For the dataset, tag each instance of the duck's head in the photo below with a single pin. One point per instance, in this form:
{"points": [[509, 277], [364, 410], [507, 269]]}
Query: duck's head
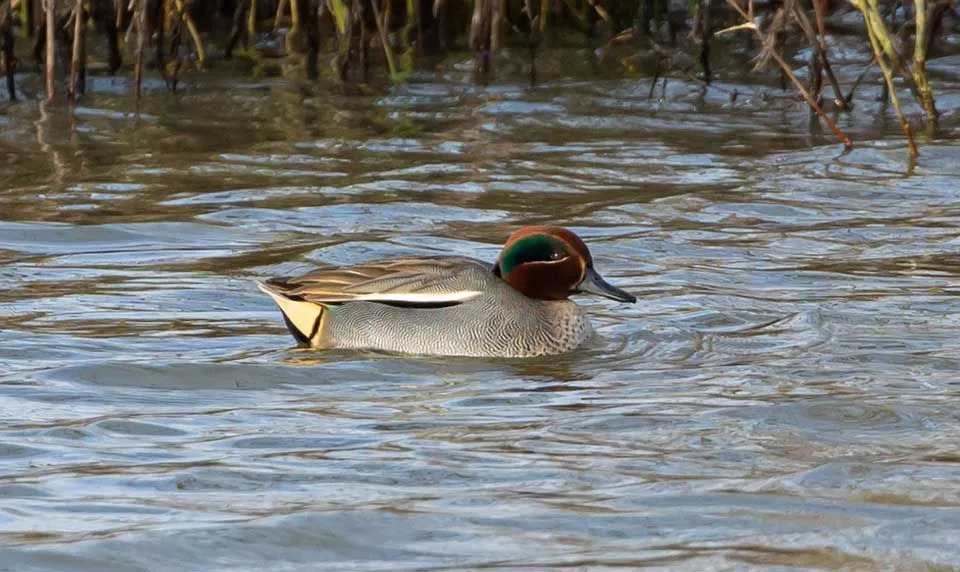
{"points": [[551, 263]]}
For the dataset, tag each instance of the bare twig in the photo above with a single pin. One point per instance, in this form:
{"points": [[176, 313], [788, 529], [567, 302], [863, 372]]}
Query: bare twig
{"points": [[819, 7], [76, 58], [192, 29], [384, 40], [920, 59], [278, 17], [51, 48], [884, 50], [703, 32], [816, 38], [7, 58], [140, 17], [748, 19]]}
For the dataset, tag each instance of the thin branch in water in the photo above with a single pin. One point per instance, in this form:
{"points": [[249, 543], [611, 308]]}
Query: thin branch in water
{"points": [[78, 56], [7, 58], [192, 29], [702, 30], [140, 17], [748, 18], [278, 17], [819, 6], [882, 46], [384, 40], [50, 56], [252, 18], [860, 76], [920, 59]]}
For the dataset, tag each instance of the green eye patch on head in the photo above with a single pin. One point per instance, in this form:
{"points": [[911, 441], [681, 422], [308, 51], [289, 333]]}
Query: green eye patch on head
{"points": [[534, 248]]}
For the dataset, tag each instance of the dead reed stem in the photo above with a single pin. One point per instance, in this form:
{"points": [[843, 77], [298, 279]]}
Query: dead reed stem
{"points": [[920, 59], [141, 19], [7, 58], [480, 32], [192, 29], [278, 17], [252, 18], [703, 31], [887, 57], [293, 40], [77, 56], [750, 24], [820, 48], [892, 91], [384, 40], [819, 7], [50, 56]]}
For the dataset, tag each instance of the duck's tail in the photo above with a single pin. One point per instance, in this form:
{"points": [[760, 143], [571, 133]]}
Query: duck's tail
{"points": [[304, 319]]}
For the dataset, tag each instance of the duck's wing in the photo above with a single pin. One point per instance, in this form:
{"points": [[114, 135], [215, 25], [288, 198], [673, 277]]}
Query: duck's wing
{"points": [[403, 281]]}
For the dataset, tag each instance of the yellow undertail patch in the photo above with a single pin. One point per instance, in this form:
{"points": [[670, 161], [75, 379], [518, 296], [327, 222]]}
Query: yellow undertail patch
{"points": [[304, 317]]}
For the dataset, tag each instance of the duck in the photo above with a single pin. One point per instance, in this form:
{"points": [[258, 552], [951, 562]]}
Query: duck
{"points": [[517, 307]]}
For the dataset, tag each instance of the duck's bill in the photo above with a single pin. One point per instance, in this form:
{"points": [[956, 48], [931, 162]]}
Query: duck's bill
{"points": [[593, 283]]}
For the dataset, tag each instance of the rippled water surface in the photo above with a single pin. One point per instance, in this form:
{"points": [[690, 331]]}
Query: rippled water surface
{"points": [[784, 393]]}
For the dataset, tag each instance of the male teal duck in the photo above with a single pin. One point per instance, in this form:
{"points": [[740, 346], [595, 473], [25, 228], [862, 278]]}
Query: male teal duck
{"points": [[517, 307]]}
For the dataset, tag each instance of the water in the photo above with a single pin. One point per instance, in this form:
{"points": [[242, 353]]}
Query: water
{"points": [[784, 394]]}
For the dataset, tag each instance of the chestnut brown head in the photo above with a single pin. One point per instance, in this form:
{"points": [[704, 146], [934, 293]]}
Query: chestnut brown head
{"points": [[551, 263]]}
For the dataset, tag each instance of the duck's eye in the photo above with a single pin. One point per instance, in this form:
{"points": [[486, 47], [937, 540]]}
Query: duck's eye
{"points": [[556, 255]]}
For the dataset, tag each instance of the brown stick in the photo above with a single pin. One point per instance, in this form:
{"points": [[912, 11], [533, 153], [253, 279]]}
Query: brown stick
{"points": [[252, 18], [159, 17], [749, 24], [892, 91], [294, 14], [192, 30], [884, 50], [481, 30], [7, 58], [50, 62], [384, 41], [819, 7], [703, 27], [496, 25], [237, 29], [78, 43], [920, 59], [820, 47], [278, 17], [141, 18]]}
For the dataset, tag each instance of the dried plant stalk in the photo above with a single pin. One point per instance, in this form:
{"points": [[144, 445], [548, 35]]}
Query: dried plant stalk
{"points": [[384, 40], [816, 37], [77, 57], [7, 59], [50, 64], [884, 51], [140, 17], [920, 59], [192, 29], [278, 17], [750, 24]]}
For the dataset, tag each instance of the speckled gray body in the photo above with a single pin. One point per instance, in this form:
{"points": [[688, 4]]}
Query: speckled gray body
{"points": [[500, 322]]}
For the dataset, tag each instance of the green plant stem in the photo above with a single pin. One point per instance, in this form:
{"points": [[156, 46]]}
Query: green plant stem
{"points": [[384, 41], [920, 59]]}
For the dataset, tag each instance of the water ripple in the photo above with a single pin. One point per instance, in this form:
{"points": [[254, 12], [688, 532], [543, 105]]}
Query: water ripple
{"points": [[782, 395]]}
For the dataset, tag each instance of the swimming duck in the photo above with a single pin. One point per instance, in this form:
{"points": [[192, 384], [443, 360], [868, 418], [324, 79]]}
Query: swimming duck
{"points": [[517, 307]]}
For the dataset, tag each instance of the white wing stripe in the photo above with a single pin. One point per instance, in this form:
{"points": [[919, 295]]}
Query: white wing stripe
{"points": [[420, 297]]}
